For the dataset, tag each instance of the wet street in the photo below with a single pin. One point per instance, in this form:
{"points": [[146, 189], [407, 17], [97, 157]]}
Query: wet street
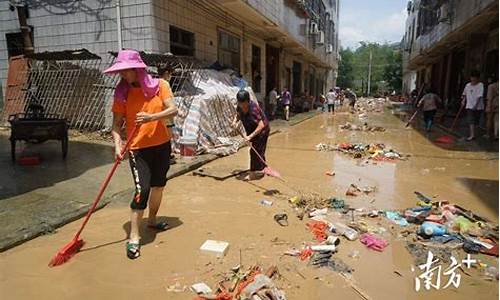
{"points": [[201, 208]]}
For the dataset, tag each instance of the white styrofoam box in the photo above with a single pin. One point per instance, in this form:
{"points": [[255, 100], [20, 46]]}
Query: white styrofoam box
{"points": [[218, 247]]}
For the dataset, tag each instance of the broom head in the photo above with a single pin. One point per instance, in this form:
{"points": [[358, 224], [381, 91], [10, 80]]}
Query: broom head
{"points": [[67, 252], [271, 172], [445, 139]]}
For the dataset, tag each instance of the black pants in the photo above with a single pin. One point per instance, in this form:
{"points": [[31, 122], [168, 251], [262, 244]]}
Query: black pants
{"points": [[259, 144], [331, 107], [149, 169], [429, 118]]}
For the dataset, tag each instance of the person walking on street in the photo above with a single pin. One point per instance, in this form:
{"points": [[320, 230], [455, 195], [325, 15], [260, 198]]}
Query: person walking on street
{"points": [[492, 110], [472, 99], [257, 132], [273, 102], [286, 101], [330, 98], [428, 104], [352, 98], [142, 103]]}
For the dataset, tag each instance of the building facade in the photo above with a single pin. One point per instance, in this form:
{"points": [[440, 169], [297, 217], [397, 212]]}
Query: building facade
{"points": [[272, 43], [445, 40]]}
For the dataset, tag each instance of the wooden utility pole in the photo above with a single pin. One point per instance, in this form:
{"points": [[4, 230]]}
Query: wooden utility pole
{"points": [[369, 73]]}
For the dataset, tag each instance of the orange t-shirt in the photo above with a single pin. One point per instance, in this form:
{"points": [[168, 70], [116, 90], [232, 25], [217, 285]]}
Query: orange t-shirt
{"points": [[149, 134]]}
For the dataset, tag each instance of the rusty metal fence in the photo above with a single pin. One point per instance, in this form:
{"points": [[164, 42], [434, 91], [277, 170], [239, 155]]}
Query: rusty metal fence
{"points": [[69, 84]]}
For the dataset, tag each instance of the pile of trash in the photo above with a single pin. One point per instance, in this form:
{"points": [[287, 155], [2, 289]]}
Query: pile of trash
{"points": [[205, 112], [364, 127], [378, 152], [436, 226], [443, 225], [331, 221], [239, 284], [371, 105]]}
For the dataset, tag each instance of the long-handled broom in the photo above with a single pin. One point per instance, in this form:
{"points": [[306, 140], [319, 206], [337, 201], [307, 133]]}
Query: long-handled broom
{"points": [[76, 243], [412, 117], [448, 139], [267, 170]]}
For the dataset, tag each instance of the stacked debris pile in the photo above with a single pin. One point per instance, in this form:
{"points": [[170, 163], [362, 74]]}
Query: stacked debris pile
{"points": [[440, 224], [205, 117], [239, 284], [364, 127], [378, 152], [443, 228]]}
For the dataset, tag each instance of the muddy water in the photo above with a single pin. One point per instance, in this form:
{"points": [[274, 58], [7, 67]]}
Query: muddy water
{"points": [[203, 208]]}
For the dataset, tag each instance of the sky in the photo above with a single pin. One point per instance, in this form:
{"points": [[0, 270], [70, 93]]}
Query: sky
{"points": [[371, 20]]}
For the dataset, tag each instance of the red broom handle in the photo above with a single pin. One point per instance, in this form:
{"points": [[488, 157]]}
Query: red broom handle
{"points": [[106, 182], [250, 144], [456, 117]]}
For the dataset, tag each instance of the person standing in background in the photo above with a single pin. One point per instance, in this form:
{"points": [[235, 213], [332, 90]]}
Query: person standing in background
{"points": [[286, 100], [330, 98], [429, 103], [472, 99], [273, 102]]}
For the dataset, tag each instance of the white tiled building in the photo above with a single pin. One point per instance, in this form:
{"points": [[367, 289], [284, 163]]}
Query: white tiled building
{"points": [[291, 43]]}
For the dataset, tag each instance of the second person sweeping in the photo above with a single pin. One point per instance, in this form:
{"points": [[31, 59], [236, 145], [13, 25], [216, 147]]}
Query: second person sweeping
{"points": [[257, 132]]}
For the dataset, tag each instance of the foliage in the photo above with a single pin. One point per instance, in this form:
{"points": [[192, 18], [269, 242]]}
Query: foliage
{"points": [[386, 71]]}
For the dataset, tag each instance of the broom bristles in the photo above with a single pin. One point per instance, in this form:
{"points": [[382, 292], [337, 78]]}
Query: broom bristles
{"points": [[66, 253], [270, 172]]}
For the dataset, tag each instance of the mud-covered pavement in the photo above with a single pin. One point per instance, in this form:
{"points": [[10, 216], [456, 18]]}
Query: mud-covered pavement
{"points": [[200, 208]]}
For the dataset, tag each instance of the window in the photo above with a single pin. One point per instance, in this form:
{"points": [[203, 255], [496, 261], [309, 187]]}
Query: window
{"points": [[181, 41], [297, 80], [256, 77], [229, 50], [15, 42]]}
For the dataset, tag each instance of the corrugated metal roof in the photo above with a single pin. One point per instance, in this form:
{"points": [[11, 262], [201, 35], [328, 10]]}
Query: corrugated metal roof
{"points": [[79, 54]]}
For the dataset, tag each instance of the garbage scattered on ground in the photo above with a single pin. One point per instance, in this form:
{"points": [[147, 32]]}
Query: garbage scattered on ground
{"points": [[373, 242], [377, 152], [250, 284], [281, 219], [176, 288], [364, 127], [396, 218], [354, 190], [266, 202], [218, 247], [201, 288], [330, 173], [324, 147]]}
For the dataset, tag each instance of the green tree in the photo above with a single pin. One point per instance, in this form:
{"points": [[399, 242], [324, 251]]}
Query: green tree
{"points": [[393, 72], [346, 76], [385, 65]]}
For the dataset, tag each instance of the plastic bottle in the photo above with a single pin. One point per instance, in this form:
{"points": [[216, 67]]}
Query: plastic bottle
{"points": [[346, 231], [432, 229], [266, 202], [323, 247], [332, 240]]}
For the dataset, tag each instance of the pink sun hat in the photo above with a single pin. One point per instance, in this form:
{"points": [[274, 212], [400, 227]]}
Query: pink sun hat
{"points": [[126, 59]]}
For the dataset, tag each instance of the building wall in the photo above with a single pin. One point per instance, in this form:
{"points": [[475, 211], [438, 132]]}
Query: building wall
{"points": [[443, 53], [89, 24]]}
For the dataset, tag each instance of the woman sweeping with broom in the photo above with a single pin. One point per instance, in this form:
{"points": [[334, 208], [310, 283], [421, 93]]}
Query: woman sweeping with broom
{"points": [[257, 131], [143, 104]]}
